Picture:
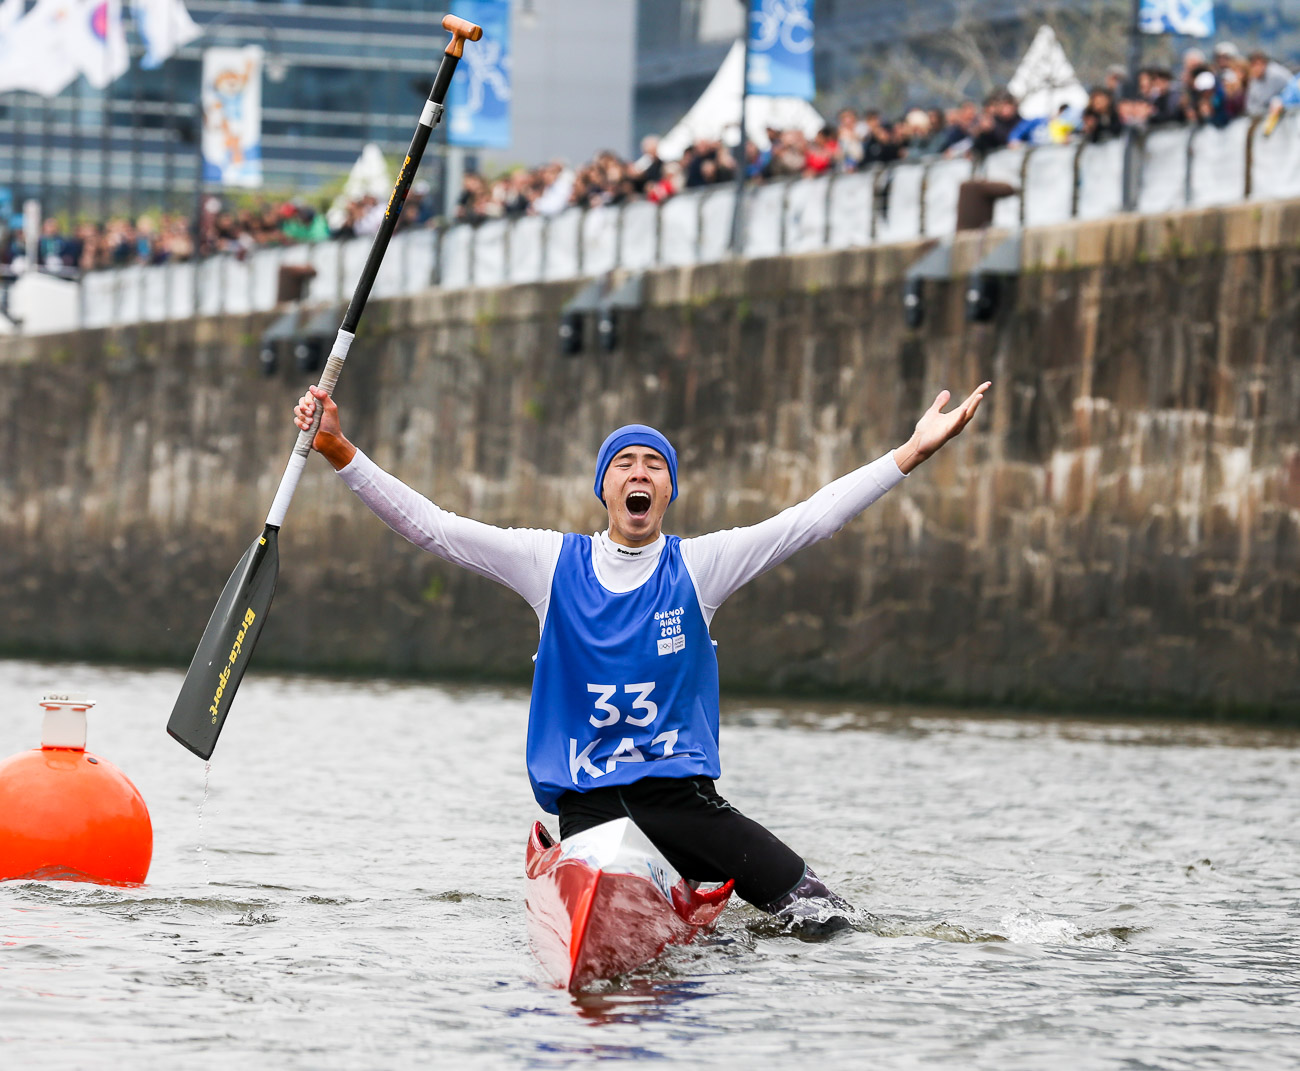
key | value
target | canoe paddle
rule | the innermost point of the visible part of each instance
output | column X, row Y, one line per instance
column 236, row 622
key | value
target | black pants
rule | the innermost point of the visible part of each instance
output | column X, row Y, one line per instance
column 702, row 835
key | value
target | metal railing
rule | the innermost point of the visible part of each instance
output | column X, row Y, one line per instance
column 1177, row 168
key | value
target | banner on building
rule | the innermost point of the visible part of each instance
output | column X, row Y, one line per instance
column 45, row 50
column 232, row 116
column 781, row 49
column 1192, row 18
column 165, row 26
column 478, row 103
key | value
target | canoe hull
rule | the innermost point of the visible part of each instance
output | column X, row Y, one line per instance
column 604, row 902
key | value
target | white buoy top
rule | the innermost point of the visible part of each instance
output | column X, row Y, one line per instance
column 65, row 722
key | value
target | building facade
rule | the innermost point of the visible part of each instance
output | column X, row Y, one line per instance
column 337, row 76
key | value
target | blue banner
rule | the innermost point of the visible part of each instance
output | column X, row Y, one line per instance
column 1192, row 18
column 478, row 102
column 781, row 49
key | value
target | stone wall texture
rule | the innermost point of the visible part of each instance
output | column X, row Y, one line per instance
column 1121, row 528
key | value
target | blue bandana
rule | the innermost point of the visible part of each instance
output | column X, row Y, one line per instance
column 634, row 435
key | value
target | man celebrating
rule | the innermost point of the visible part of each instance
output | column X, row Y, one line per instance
column 624, row 714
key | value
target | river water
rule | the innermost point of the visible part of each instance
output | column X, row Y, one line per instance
column 344, row 889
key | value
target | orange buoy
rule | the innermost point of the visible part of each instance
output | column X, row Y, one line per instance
column 68, row 815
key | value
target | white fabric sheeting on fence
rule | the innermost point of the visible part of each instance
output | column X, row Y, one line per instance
column 210, row 279
column 327, row 259
column 390, row 280
column 131, row 294
column 490, row 253
column 1163, row 186
column 1101, row 179
column 352, row 262
column 265, row 266
column 421, row 263
column 236, row 287
column 599, row 240
column 805, row 215
column 1049, row 185
column 638, row 245
column 900, row 205
column 527, row 238
column 97, row 299
column 1218, row 169
column 1275, row 159
column 715, row 224
column 180, row 305
column 850, row 210
column 1007, row 166
column 679, row 229
column 153, row 293
column 563, row 245
column 943, row 180
column 764, row 218
column 454, row 257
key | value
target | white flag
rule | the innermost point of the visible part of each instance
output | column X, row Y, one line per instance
column 32, row 56
column 165, row 26
column 60, row 39
column 10, row 12
column 97, row 41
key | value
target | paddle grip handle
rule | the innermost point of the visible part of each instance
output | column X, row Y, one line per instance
column 461, row 30
column 298, row 459
column 328, row 381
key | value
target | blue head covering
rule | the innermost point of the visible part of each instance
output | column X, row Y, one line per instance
column 634, row 435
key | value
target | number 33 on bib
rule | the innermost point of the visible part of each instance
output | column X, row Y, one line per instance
column 609, row 714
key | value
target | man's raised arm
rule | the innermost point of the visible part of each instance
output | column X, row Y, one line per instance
column 722, row 561
column 523, row 559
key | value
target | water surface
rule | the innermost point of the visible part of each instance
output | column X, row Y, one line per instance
column 1036, row 892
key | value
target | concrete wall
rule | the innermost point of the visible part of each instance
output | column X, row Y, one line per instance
column 1122, row 526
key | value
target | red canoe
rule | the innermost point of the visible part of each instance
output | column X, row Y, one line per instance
column 605, row 902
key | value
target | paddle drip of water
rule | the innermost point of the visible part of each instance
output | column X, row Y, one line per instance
column 207, row 869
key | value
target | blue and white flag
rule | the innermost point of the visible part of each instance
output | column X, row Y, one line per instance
column 232, row 116
column 478, row 103
column 781, row 49
column 164, row 27
column 45, row 50
column 1192, row 18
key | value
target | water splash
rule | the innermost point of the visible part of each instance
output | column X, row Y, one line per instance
column 207, row 868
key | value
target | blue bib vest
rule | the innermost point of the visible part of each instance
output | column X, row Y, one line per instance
column 626, row 685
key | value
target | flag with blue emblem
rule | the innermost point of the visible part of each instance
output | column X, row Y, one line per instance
column 781, row 49
column 478, row 103
column 1191, row 18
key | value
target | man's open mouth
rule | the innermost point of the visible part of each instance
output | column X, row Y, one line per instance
column 638, row 503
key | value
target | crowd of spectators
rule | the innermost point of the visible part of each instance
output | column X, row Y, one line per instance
column 68, row 250
column 1213, row 89
column 1207, row 89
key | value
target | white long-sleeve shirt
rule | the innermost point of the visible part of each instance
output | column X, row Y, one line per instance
column 524, row 559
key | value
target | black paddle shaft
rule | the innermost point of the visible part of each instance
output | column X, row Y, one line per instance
column 227, row 645
column 441, row 81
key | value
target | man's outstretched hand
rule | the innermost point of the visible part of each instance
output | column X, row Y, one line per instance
column 936, row 427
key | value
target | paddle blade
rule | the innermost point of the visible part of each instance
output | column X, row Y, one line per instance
column 227, row 645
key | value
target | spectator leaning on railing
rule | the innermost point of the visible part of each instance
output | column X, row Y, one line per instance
column 1268, row 79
